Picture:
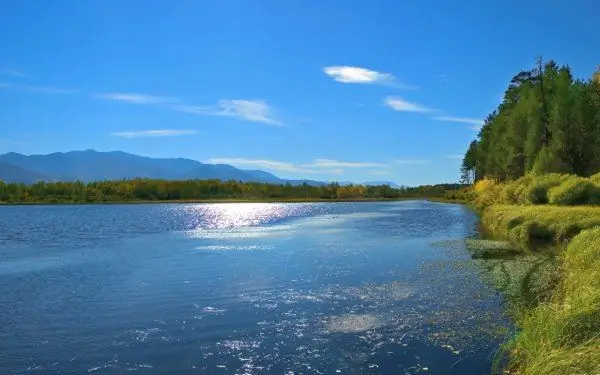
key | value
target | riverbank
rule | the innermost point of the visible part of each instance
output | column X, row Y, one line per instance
column 561, row 333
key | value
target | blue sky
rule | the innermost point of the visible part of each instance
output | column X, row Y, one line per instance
column 328, row 90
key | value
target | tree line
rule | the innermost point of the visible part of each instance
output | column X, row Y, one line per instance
column 190, row 190
column 548, row 122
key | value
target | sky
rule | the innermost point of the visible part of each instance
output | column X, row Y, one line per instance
column 328, row 90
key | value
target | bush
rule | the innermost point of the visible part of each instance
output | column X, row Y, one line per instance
column 574, row 191
column 537, row 191
column 595, row 178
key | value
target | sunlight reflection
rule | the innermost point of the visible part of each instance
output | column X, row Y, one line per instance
column 234, row 215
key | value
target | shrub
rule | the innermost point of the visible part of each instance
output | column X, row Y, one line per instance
column 595, row 178
column 537, row 191
column 574, row 191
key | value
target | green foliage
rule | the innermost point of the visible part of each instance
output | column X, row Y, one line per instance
column 574, row 191
column 548, row 122
column 562, row 336
column 192, row 190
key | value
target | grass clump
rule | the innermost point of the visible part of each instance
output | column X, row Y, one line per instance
column 574, row 191
column 530, row 225
column 562, row 336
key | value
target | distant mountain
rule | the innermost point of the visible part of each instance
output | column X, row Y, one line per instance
column 93, row 165
column 13, row 173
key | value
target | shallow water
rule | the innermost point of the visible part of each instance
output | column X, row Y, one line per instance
column 244, row 288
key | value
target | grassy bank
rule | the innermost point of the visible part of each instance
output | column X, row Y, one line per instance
column 560, row 334
column 530, row 225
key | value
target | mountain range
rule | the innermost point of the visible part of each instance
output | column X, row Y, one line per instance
column 93, row 165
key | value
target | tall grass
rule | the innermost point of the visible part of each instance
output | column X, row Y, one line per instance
column 563, row 336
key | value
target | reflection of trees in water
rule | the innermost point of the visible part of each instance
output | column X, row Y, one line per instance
column 524, row 280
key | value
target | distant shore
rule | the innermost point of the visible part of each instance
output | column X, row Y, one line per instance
column 235, row 200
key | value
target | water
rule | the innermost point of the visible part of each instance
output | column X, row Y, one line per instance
column 247, row 288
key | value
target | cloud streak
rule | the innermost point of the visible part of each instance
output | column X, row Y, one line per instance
column 153, row 133
column 463, row 120
column 329, row 163
column 36, row 89
column 14, row 73
column 358, row 75
column 137, row 98
column 317, row 166
column 398, row 104
column 247, row 110
column 411, row 161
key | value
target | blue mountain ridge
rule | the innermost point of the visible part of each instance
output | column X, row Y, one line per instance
column 91, row 165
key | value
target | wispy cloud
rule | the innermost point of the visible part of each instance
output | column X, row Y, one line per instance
column 454, row 156
column 248, row 110
column 153, row 133
column 444, row 78
column 355, row 74
column 329, row 163
column 401, row 105
column 36, row 89
column 260, row 163
column 463, row 120
column 317, row 166
column 14, row 73
column 137, row 98
column 411, row 161
column 378, row 173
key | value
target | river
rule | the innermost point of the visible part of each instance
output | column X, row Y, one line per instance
column 245, row 288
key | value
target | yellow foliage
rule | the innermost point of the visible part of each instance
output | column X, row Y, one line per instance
column 483, row 185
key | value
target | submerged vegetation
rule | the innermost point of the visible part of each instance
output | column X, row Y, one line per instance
column 147, row 190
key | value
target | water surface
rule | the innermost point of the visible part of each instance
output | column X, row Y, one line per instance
column 244, row 288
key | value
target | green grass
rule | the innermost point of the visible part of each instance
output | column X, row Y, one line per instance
column 562, row 336
column 528, row 226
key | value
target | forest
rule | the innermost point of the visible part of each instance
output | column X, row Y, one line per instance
column 548, row 122
column 148, row 190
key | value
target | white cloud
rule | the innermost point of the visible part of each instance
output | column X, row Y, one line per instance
column 329, row 163
column 399, row 104
column 36, row 89
column 137, row 98
column 463, row 120
column 14, row 73
column 411, row 161
column 248, row 110
column 355, row 74
column 153, row 133
column 454, row 156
